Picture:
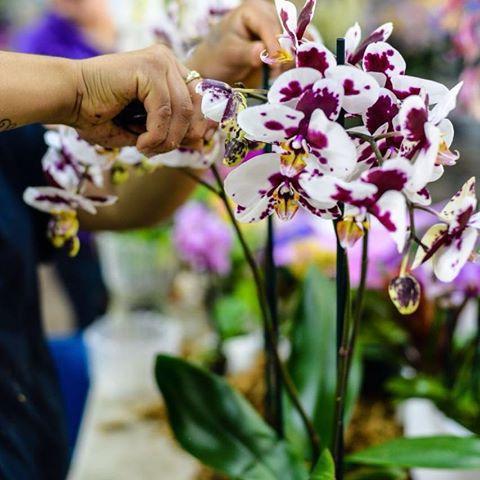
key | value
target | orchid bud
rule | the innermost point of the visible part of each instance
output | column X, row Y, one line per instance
column 405, row 294
column 349, row 231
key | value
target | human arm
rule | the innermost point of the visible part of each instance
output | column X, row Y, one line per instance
column 89, row 94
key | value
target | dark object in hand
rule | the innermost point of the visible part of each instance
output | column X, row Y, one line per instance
column 133, row 118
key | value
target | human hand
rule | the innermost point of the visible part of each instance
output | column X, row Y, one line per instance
column 108, row 84
column 231, row 52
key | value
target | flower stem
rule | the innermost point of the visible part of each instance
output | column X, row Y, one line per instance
column 274, row 397
column 359, row 304
column 259, row 284
column 343, row 335
column 343, row 318
column 373, row 143
column 199, row 180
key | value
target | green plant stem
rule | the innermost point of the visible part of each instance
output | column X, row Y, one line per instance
column 372, row 141
column 359, row 305
column 286, row 379
column 344, row 325
column 199, row 180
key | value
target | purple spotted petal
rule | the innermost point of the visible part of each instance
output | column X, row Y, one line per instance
column 352, row 40
column 55, row 200
column 381, row 34
column 382, row 112
column 270, row 123
column 391, row 211
column 315, row 55
column 305, row 17
column 393, row 175
column 412, row 117
column 216, row 96
column 383, row 58
column 287, row 12
column 360, row 89
column 325, row 95
column 403, row 86
column 451, row 258
column 291, row 85
column 331, row 145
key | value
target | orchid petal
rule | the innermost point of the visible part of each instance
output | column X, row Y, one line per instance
column 316, row 56
column 412, row 117
column 445, row 105
column 130, row 156
column 328, row 188
column 353, row 37
column 215, row 97
column 256, row 211
column 431, row 241
column 61, row 170
column 464, row 200
column 331, row 144
column 361, row 90
column 475, row 221
column 305, row 17
column 403, row 86
column 391, row 210
column 393, row 175
column 325, row 95
column 182, row 158
column 287, row 12
column 291, row 85
column 383, row 58
column 450, row 259
column 424, row 165
column 55, row 200
column 102, row 201
column 269, row 123
column 381, row 34
column 251, row 181
column 383, row 111
column 324, row 210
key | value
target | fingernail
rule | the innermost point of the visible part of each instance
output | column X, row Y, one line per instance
column 210, row 133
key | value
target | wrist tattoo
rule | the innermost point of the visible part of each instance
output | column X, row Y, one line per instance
column 6, row 124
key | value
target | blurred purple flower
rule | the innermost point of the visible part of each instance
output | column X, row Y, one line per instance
column 203, row 239
column 470, row 94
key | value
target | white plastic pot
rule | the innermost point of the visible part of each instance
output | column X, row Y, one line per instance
column 122, row 353
column 422, row 418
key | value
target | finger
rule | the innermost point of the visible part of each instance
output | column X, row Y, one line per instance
column 198, row 124
column 182, row 111
column 263, row 24
column 157, row 101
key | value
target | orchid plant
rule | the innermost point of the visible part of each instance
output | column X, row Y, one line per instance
column 346, row 138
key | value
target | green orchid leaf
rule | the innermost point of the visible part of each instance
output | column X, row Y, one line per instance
column 325, row 468
column 378, row 474
column 445, row 452
column 313, row 360
column 218, row 426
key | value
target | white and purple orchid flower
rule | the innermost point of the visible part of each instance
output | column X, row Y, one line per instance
column 378, row 192
column 56, row 200
column 294, row 25
column 70, row 161
column 271, row 183
column 419, row 124
column 388, row 66
column 450, row 244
